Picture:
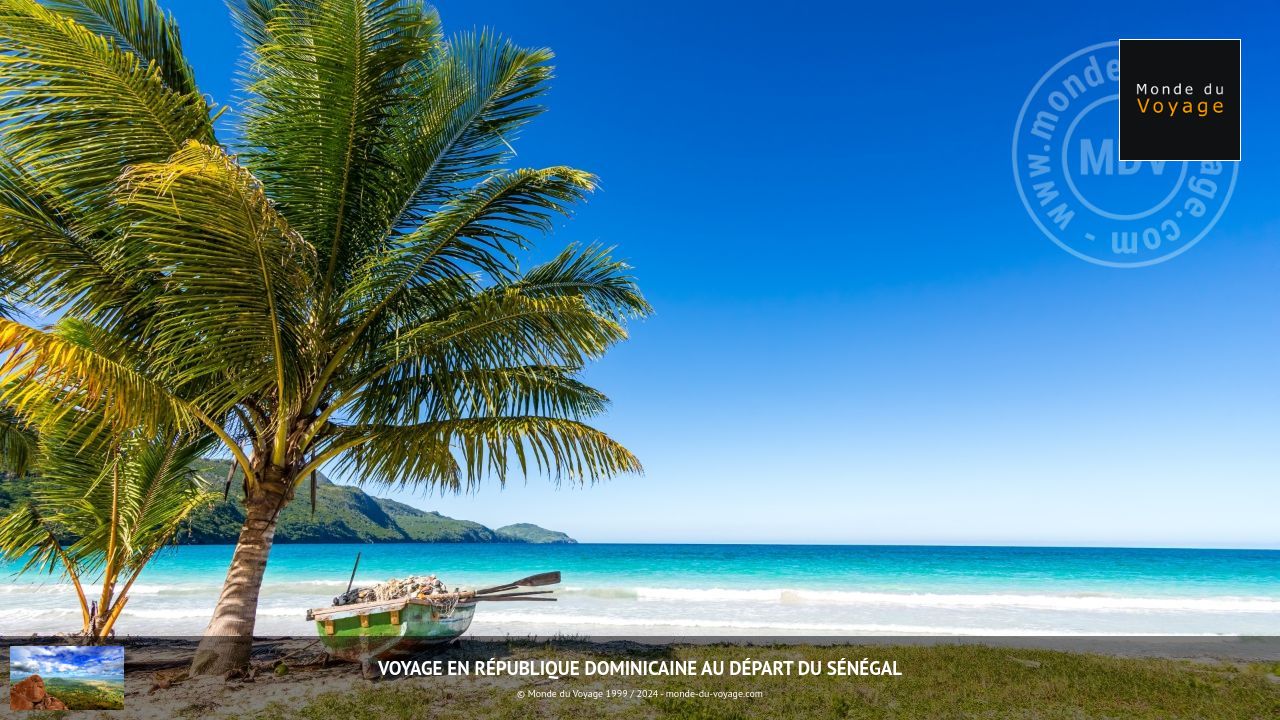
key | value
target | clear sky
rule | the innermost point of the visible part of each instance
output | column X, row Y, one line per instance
column 860, row 336
column 67, row 662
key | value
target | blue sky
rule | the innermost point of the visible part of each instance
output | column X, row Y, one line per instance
column 860, row 336
column 66, row 662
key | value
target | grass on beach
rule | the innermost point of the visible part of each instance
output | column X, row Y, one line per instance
column 947, row 681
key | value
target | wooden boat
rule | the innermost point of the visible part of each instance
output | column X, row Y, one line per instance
column 392, row 628
column 364, row 632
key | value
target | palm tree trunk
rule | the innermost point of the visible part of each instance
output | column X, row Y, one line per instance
column 75, row 581
column 104, row 633
column 123, row 597
column 109, row 572
column 228, row 639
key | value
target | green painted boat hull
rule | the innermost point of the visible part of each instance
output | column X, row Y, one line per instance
column 420, row 626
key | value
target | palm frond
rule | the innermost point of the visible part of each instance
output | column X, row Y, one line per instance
column 45, row 257
column 592, row 274
column 153, row 486
column 8, row 284
column 17, row 442
column 27, row 538
column 473, row 102
column 51, row 374
column 446, row 393
column 206, row 224
column 251, row 18
column 75, row 108
column 140, row 27
column 476, row 231
column 494, row 329
column 457, row 454
column 324, row 81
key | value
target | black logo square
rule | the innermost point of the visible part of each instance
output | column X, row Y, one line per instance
column 1179, row 100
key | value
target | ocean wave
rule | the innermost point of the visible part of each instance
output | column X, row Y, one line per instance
column 33, row 613
column 181, row 613
column 67, row 589
column 317, row 587
column 210, row 588
column 170, row 613
column 608, row 593
column 1080, row 602
column 187, row 600
column 316, row 590
column 543, row 623
column 28, row 588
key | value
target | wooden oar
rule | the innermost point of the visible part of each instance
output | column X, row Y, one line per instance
column 514, row 598
column 515, row 594
column 547, row 578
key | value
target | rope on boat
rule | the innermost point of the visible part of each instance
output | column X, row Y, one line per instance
column 447, row 605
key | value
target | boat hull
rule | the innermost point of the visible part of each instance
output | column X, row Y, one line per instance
column 393, row 629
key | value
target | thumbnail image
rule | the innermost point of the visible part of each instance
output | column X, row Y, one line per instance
column 66, row 678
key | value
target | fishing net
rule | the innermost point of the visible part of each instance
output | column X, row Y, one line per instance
column 413, row 586
column 446, row 605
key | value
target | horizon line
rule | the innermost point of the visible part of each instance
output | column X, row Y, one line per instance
column 1033, row 546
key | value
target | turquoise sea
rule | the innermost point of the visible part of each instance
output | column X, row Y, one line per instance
column 728, row 589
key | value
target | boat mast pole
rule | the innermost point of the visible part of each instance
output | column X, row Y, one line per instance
column 353, row 572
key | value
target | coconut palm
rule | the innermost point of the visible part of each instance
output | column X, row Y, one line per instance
column 102, row 506
column 342, row 284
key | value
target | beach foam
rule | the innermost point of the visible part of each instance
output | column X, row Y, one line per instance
column 482, row 624
column 1080, row 602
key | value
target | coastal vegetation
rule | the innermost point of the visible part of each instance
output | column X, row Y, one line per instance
column 528, row 532
column 339, row 280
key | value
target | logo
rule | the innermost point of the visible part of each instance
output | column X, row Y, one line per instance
column 1180, row 100
column 1069, row 175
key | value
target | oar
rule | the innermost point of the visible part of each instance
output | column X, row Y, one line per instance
column 514, row 598
column 353, row 572
column 547, row 578
column 515, row 594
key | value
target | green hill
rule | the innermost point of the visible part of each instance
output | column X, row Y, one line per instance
column 79, row 694
column 343, row 514
column 530, row 533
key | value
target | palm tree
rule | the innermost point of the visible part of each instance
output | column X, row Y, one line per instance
column 102, row 507
column 342, row 284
